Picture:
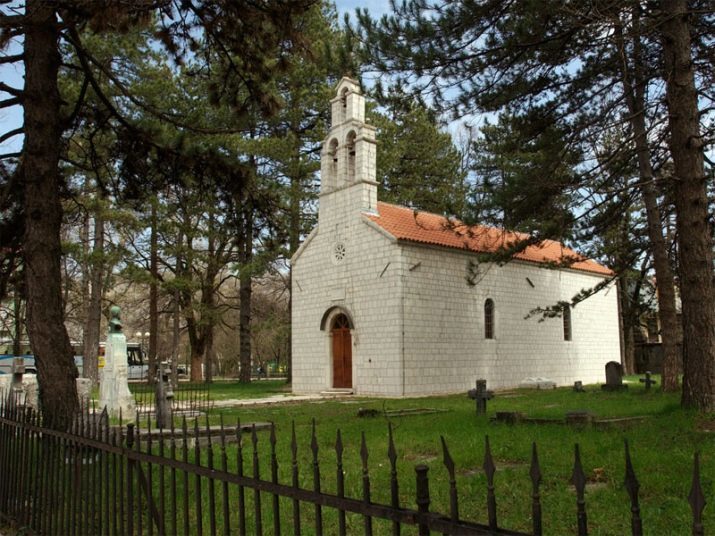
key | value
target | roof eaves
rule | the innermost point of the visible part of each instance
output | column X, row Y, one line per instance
column 302, row 247
column 387, row 234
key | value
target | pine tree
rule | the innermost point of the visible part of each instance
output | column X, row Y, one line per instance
column 417, row 164
column 258, row 34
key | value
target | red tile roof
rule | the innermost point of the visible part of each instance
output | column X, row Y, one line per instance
column 425, row 228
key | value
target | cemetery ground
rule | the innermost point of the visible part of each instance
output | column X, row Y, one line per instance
column 662, row 444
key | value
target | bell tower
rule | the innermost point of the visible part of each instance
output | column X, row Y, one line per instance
column 348, row 158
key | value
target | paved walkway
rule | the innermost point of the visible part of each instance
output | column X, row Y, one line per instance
column 275, row 399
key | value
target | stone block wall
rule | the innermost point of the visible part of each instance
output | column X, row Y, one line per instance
column 445, row 345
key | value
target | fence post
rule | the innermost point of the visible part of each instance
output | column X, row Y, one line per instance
column 422, row 496
column 130, row 480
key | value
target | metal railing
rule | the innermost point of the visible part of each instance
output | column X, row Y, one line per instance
column 101, row 479
column 189, row 398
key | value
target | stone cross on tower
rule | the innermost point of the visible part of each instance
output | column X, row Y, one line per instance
column 348, row 157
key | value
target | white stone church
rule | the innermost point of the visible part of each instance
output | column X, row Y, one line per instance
column 381, row 302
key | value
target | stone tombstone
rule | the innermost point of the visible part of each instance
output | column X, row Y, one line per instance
column 114, row 394
column 163, row 396
column 537, row 383
column 614, row 377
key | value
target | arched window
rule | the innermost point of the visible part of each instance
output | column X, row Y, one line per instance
column 344, row 102
column 350, row 142
column 567, row 322
column 341, row 322
column 489, row 319
column 333, row 156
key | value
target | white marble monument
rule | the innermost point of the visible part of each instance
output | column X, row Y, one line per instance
column 114, row 391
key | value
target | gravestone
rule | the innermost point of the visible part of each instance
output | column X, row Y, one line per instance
column 614, row 377
column 579, row 417
column 537, row 383
column 163, row 396
column 578, row 387
column 114, row 394
column 647, row 381
column 481, row 395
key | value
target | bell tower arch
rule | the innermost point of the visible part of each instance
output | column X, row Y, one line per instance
column 348, row 156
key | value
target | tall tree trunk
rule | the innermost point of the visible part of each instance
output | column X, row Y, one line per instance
column 626, row 309
column 695, row 245
column 197, row 359
column 294, row 227
column 17, row 336
column 209, row 355
column 634, row 85
column 94, row 304
column 176, row 331
column 153, row 292
column 43, row 217
column 244, row 330
column 245, row 292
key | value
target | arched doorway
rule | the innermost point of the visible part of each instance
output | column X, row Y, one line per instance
column 342, row 352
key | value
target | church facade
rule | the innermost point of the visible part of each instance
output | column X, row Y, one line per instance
column 386, row 299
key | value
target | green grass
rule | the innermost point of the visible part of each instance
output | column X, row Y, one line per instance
column 226, row 390
column 662, row 448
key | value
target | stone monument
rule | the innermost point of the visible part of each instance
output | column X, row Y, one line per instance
column 114, row 391
column 614, row 377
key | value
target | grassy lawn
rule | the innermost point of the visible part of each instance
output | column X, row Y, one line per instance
column 227, row 390
column 662, row 447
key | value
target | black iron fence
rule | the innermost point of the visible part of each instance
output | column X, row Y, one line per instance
column 98, row 478
column 188, row 398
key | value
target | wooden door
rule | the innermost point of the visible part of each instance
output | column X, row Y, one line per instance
column 342, row 353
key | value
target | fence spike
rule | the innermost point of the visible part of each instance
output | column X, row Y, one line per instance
column 632, row 486
column 274, row 478
column 447, row 458
column 208, row 432
column 239, row 469
column 391, row 451
column 339, row 449
column 365, row 481
column 272, row 436
column 185, row 432
column 223, row 433
column 489, row 471
column 340, row 480
column 696, row 498
column 316, row 480
column 314, row 443
column 198, row 504
column 578, row 479
column 239, row 433
column 224, row 485
column 293, row 444
column 449, row 464
column 294, row 479
column 363, row 452
column 535, row 474
column 257, row 475
column 254, row 441
column 394, row 483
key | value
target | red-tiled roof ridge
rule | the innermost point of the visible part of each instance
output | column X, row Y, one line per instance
column 426, row 228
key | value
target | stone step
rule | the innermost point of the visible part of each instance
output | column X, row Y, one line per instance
column 337, row 392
